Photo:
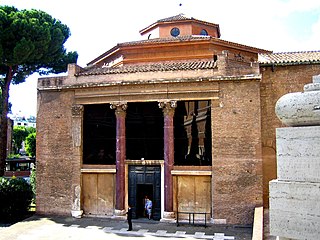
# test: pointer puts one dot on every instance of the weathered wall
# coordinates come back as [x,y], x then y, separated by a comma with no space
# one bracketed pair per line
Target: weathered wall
[236,141]
[58,162]
[98,193]
[275,83]
[192,194]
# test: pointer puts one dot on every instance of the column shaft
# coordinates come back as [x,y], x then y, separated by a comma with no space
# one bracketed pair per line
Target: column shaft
[168,162]
[120,154]
[168,112]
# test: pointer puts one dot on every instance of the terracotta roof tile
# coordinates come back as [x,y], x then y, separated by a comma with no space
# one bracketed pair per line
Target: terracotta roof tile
[289,58]
[177,18]
[166,40]
[152,67]
[181,17]
[189,38]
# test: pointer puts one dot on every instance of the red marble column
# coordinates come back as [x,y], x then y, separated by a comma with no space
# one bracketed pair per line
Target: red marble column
[168,113]
[120,111]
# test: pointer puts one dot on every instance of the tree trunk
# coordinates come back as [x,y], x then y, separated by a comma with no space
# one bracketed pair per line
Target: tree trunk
[3,119]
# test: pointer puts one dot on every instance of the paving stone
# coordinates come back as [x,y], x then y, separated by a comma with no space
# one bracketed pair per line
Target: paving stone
[161,232]
[180,233]
[75,225]
[92,227]
[107,229]
[199,234]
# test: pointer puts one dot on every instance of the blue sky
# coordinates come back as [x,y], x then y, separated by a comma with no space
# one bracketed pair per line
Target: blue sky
[96,26]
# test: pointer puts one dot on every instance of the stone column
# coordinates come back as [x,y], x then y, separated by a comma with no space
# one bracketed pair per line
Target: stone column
[120,111]
[168,109]
[77,119]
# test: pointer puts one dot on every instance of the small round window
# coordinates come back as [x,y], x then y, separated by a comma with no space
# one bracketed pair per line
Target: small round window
[175,32]
[204,32]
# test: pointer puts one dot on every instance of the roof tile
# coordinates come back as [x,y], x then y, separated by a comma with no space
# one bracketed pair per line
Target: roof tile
[288,58]
[151,67]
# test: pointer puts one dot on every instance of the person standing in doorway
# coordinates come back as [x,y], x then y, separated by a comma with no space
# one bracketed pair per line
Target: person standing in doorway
[148,207]
[144,205]
[129,218]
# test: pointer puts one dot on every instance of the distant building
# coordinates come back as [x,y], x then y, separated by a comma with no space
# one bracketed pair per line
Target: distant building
[24,121]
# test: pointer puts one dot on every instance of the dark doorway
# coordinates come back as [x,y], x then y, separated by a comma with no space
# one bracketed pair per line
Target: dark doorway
[145,180]
[143,190]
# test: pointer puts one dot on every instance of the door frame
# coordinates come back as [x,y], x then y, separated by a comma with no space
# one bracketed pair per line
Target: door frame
[145,162]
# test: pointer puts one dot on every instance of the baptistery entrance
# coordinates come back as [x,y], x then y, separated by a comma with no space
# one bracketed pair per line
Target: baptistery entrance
[144,180]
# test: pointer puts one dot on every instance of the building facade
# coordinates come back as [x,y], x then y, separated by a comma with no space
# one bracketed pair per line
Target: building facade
[181,116]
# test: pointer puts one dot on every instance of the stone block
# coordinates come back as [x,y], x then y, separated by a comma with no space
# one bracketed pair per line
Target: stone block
[295,209]
[298,153]
[316,79]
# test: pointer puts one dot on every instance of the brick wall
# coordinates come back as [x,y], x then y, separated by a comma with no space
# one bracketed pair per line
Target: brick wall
[237,166]
[58,167]
[275,83]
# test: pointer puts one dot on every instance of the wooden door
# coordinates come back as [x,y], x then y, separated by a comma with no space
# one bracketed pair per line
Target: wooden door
[145,180]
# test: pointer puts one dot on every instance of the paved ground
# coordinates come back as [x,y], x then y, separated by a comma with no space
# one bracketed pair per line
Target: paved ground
[55,228]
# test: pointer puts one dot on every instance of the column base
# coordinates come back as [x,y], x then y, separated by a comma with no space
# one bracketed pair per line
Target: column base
[168,217]
[119,214]
[76,213]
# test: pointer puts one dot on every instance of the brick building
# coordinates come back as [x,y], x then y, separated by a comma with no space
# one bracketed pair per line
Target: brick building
[182,116]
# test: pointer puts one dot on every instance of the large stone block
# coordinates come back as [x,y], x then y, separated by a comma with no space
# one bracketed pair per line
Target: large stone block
[295,209]
[298,153]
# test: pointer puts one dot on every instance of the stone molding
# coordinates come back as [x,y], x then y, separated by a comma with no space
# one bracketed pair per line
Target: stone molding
[97,170]
[191,173]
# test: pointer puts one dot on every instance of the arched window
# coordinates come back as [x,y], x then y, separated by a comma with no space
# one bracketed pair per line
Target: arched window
[204,32]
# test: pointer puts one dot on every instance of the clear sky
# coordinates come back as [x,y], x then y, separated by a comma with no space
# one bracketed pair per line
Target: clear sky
[97,25]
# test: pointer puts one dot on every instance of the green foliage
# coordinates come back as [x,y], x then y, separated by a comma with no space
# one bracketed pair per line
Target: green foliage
[32,41]
[19,135]
[31,144]
[31,130]
[15,197]
[33,180]
[12,155]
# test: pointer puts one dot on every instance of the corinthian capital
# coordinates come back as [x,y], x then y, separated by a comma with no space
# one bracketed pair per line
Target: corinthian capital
[120,108]
[77,110]
[168,107]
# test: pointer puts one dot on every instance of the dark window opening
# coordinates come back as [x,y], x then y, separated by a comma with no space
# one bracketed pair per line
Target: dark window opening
[175,32]
[144,131]
[204,32]
[192,133]
[99,134]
